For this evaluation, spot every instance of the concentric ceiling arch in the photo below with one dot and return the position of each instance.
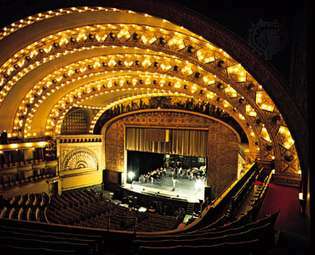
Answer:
(57, 60)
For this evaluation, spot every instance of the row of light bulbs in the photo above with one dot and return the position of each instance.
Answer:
(224, 102)
(69, 71)
(236, 72)
(60, 39)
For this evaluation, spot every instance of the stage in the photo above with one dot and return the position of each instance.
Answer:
(185, 189)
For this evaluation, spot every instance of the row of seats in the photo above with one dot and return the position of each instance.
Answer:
(261, 230)
(87, 208)
(21, 163)
(20, 178)
(28, 207)
(34, 239)
(121, 218)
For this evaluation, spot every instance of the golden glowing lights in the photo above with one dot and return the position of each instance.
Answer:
(230, 91)
(14, 146)
(250, 111)
(265, 134)
(187, 70)
(287, 140)
(264, 101)
(162, 50)
(237, 72)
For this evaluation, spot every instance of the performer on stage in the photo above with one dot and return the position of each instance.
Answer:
(174, 178)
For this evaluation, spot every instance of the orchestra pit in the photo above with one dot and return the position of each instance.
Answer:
(153, 127)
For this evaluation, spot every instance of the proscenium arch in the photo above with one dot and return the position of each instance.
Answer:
(252, 137)
(108, 123)
(159, 124)
(208, 30)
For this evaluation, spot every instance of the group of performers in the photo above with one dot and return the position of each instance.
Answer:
(151, 176)
(176, 172)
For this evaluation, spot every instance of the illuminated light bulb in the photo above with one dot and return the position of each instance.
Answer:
(285, 133)
(123, 34)
(83, 69)
(200, 55)
(187, 70)
(109, 84)
(63, 41)
(267, 107)
(81, 37)
(111, 62)
(226, 104)
(128, 63)
(264, 101)
(21, 62)
(33, 53)
(146, 63)
(177, 85)
(97, 64)
(147, 81)
(148, 40)
(193, 88)
(176, 42)
(250, 111)
(241, 116)
(265, 134)
(1, 81)
(207, 80)
(210, 95)
(71, 72)
(237, 72)
(165, 67)
(230, 91)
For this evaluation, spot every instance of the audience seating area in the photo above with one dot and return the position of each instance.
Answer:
(38, 238)
(91, 209)
(28, 207)
(22, 177)
(101, 225)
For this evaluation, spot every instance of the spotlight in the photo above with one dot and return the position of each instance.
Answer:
(131, 175)
(142, 209)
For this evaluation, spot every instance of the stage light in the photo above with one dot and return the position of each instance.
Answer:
(142, 209)
(301, 196)
(131, 175)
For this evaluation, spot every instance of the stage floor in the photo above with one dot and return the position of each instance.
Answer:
(184, 189)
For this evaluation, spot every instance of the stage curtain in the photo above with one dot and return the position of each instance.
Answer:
(185, 142)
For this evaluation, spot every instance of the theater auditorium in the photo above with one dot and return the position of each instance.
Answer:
(153, 127)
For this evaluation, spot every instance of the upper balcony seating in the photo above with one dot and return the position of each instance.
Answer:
(12, 180)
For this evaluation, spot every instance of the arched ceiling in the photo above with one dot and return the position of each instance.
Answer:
(98, 57)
